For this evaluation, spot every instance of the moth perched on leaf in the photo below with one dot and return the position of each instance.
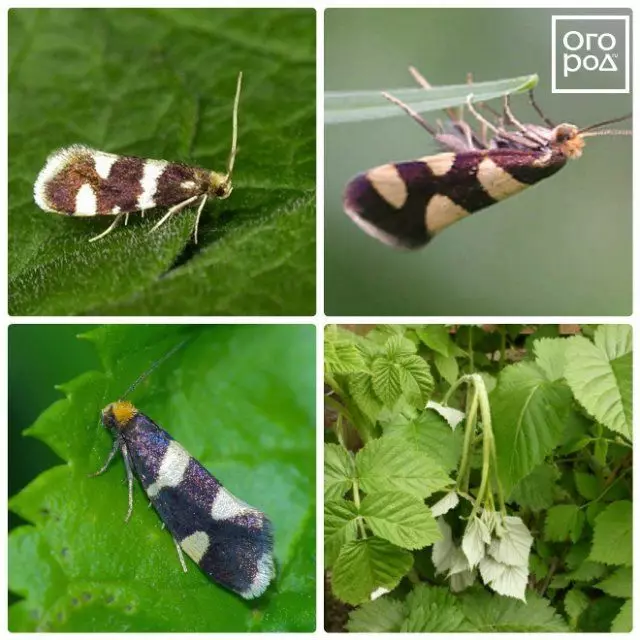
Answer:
(228, 539)
(79, 181)
(405, 204)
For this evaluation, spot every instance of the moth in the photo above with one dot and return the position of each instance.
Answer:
(405, 204)
(231, 541)
(80, 181)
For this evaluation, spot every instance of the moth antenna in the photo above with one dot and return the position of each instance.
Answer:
(414, 114)
(538, 110)
(607, 132)
(154, 366)
(234, 135)
(606, 122)
(419, 78)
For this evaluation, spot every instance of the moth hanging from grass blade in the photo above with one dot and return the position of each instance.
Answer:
(405, 204)
(79, 181)
(229, 540)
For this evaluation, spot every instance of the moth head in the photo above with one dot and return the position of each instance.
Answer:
(117, 415)
(568, 140)
(220, 185)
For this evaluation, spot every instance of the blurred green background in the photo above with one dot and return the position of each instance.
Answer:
(40, 357)
(563, 247)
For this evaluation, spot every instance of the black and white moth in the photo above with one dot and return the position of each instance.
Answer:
(405, 204)
(81, 181)
(229, 540)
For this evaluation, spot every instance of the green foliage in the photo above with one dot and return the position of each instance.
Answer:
(160, 83)
(528, 486)
(241, 399)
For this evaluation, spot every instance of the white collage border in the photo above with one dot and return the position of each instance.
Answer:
(319, 320)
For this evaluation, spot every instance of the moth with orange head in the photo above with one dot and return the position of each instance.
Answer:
(405, 204)
(231, 541)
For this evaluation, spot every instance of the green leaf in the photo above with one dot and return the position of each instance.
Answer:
(434, 610)
(361, 388)
(386, 381)
(241, 399)
(438, 338)
(340, 519)
(537, 490)
(417, 380)
(575, 602)
(160, 83)
(587, 484)
(564, 522)
(356, 106)
(430, 434)
(623, 622)
(600, 616)
(529, 414)
(498, 615)
(342, 354)
(612, 536)
(447, 367)
(384, 615)
(339, 471)
(599, 375)
(550, 354)
(619, 584)
(401, 519)
(366, 565)
(386, 464)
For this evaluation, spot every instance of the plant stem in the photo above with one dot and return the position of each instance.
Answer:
(356, 501)
(464, 470)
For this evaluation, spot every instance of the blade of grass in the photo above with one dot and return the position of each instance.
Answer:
(357, 106)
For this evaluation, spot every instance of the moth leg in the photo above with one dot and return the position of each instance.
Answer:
(112, 453)
(126, 219)
(200, 208)
(109, 229)
(180, 555)
(127, 466)
(425, 84)
(174, 209)
(478, 116)
(407, 109)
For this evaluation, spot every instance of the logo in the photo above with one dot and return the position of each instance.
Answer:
(590, 54)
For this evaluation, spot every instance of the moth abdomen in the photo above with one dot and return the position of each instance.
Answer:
(405, 204)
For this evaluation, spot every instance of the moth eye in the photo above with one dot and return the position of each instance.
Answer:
(564, 133)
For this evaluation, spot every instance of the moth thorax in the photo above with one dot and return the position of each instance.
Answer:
(219, 185)
(568, 140)
(118, 414)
